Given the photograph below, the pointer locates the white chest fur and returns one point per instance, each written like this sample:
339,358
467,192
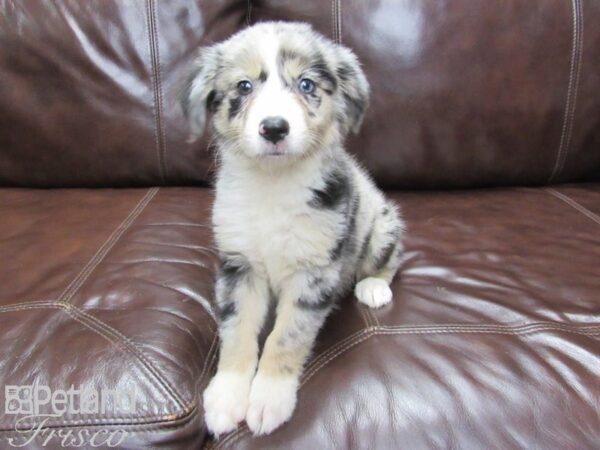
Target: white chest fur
265,216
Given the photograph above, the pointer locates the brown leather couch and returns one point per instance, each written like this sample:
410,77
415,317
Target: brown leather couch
484,125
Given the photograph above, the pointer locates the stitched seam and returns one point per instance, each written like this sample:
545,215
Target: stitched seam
161,122
369,317
364,335
375,318
446,329
168,421
333,19
157,88
568,99
358,339
26,308
334,348
577,78
152,77
392,331
372,320
339,20
450,329
576,54
507,329
17,306
569,201
364,317
103,250
210,356
248,13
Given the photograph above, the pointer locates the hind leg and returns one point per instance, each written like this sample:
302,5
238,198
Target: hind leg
380,258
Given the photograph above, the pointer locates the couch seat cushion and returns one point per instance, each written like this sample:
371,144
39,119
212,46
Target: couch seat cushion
109,289
493,339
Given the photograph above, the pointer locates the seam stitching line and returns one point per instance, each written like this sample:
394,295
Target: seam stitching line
448,329
365,318
520,331
576,89
163,140
332,20
20,305
156,88
339,20
103,250
363,335
373,314
210,356
572,203
161,423
249,13
576,54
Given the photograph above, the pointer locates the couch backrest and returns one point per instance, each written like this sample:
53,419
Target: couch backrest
464,93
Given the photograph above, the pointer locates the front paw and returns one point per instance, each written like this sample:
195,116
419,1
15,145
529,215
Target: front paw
226,401
272,402
373,292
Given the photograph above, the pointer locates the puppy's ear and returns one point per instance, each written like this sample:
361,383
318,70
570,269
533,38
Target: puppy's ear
199,95
354,89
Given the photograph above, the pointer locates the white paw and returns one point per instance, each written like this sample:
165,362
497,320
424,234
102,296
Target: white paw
272,402
373,292
226,401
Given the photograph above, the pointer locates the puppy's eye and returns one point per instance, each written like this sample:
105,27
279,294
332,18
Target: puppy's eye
306,86
244,87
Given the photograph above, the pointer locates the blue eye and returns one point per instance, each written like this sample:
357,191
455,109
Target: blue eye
306,86
244,87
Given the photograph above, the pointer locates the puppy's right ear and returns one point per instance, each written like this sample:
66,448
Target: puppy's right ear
200,95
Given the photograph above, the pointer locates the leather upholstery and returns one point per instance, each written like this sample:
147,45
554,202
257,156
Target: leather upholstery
466,93
95,84
470,93
105,289
492,340
495,310
493,337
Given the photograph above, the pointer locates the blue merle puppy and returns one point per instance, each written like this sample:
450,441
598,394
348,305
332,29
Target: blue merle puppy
295,218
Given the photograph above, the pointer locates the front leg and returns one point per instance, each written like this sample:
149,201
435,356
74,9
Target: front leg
304,304
242,300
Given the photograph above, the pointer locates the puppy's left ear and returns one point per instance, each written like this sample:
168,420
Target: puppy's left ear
199,95
354,89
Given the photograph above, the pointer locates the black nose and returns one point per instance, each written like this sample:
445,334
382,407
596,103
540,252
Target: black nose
274,129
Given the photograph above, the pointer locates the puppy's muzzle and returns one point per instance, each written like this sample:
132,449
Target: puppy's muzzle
274,129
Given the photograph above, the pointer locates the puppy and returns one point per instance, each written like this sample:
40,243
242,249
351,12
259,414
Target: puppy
296,220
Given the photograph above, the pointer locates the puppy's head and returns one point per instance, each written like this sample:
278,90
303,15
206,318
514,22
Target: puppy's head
276,91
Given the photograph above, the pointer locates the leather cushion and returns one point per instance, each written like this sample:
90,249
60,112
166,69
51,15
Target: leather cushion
492,339
469,93
464,94
109,289
89,91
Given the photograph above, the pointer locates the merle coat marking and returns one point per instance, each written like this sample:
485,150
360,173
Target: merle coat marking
296,220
